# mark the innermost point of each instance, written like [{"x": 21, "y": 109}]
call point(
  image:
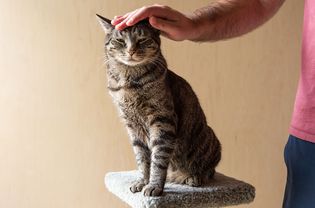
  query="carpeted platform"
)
[{"x": 221, "y": 191}]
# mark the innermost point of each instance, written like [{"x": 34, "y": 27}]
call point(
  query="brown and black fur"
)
[{"x": 167, "y": 127}]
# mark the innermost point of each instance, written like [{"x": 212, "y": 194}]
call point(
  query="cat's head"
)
[{"x": 135, "y": 45}]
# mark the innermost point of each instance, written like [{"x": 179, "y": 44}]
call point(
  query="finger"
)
[
  {"x": 156, "y": 10},
  {"x": 118, "y": 19},
  {"x": 165, "y": 26},
  {"x": 122, "y": 24},
  {"x": 166, "y": 35},
  {"x": 168, "y": 29},
  {"x": 137, "y": 16}
]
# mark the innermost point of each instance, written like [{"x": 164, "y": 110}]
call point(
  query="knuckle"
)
[
  {"x": 165, "y": 7},
  {"x": 160, "y": 5}
]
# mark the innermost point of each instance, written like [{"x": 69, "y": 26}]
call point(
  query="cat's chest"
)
[
  {"x": 126, "y": 98},
  {"x": 127, "y": 94},
  {"x": 131, "y": 103}
]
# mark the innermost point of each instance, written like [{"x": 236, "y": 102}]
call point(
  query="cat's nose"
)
[{"x": 131, "y": 52}]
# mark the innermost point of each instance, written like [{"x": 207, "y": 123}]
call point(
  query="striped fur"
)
[{"x": 163, "y": 117}]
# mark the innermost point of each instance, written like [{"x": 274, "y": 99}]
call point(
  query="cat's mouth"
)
[{"x": 133, "y": 61}]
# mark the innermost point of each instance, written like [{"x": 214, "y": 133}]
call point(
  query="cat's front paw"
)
[
  {"x": 152, "y": 190},
  {"x": 138, "y": 185}
]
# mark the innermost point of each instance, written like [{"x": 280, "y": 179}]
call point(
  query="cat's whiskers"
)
[{"x": 105, "y": 60}]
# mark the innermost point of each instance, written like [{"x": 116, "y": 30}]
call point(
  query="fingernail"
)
[{"x": 129, "y": 22}]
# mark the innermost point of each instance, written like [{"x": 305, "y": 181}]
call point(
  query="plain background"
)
[{"x": 60, "y": 133}]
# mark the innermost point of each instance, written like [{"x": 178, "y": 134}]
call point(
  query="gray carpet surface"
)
[{"x": 221, "y": 191}]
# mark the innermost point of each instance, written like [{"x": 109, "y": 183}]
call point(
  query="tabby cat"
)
[{"x": 167, "y": 127}]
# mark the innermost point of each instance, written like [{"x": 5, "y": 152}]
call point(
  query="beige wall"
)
[{"x": 59, "y": 131}]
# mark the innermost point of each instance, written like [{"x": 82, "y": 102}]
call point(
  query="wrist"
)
[
  {"x": 200, "y": 26},
  {"x": 194, "y": 29}
]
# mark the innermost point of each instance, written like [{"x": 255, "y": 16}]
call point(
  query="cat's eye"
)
[
  {"x": 143, "y": 40},
  {"x": 118, "y": 41}
]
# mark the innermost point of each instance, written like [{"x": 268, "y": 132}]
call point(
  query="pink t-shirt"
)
[{"x": 303, "y": 120}]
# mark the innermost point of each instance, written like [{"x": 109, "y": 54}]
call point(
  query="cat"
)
[{"x": 166, "y": 125}]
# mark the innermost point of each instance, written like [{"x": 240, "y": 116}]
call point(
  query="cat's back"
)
[
  {"x": 181, "y": 90},
  {"x": 186, "y": 104}
]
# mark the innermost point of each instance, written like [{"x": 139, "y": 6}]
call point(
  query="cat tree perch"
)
[{"x": 222, "y": 191}]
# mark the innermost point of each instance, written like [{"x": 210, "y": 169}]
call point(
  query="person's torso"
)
[{"x": 303, "y": 122}]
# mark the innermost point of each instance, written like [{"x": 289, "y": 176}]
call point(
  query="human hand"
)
[{"x": 172, "y": 24}]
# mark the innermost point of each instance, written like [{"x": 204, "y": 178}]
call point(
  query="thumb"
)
[{"x": 166, "y": 26}]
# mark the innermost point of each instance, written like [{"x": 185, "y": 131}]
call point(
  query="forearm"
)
[{"x": 231, "y": 18}]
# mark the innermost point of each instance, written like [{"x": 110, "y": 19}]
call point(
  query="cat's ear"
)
[{"x": 105, "y": 23}]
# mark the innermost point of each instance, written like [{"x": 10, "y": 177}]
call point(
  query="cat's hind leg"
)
[
  {"x": 176, "y": 176},
  {"x": 179, "y": 177}
]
